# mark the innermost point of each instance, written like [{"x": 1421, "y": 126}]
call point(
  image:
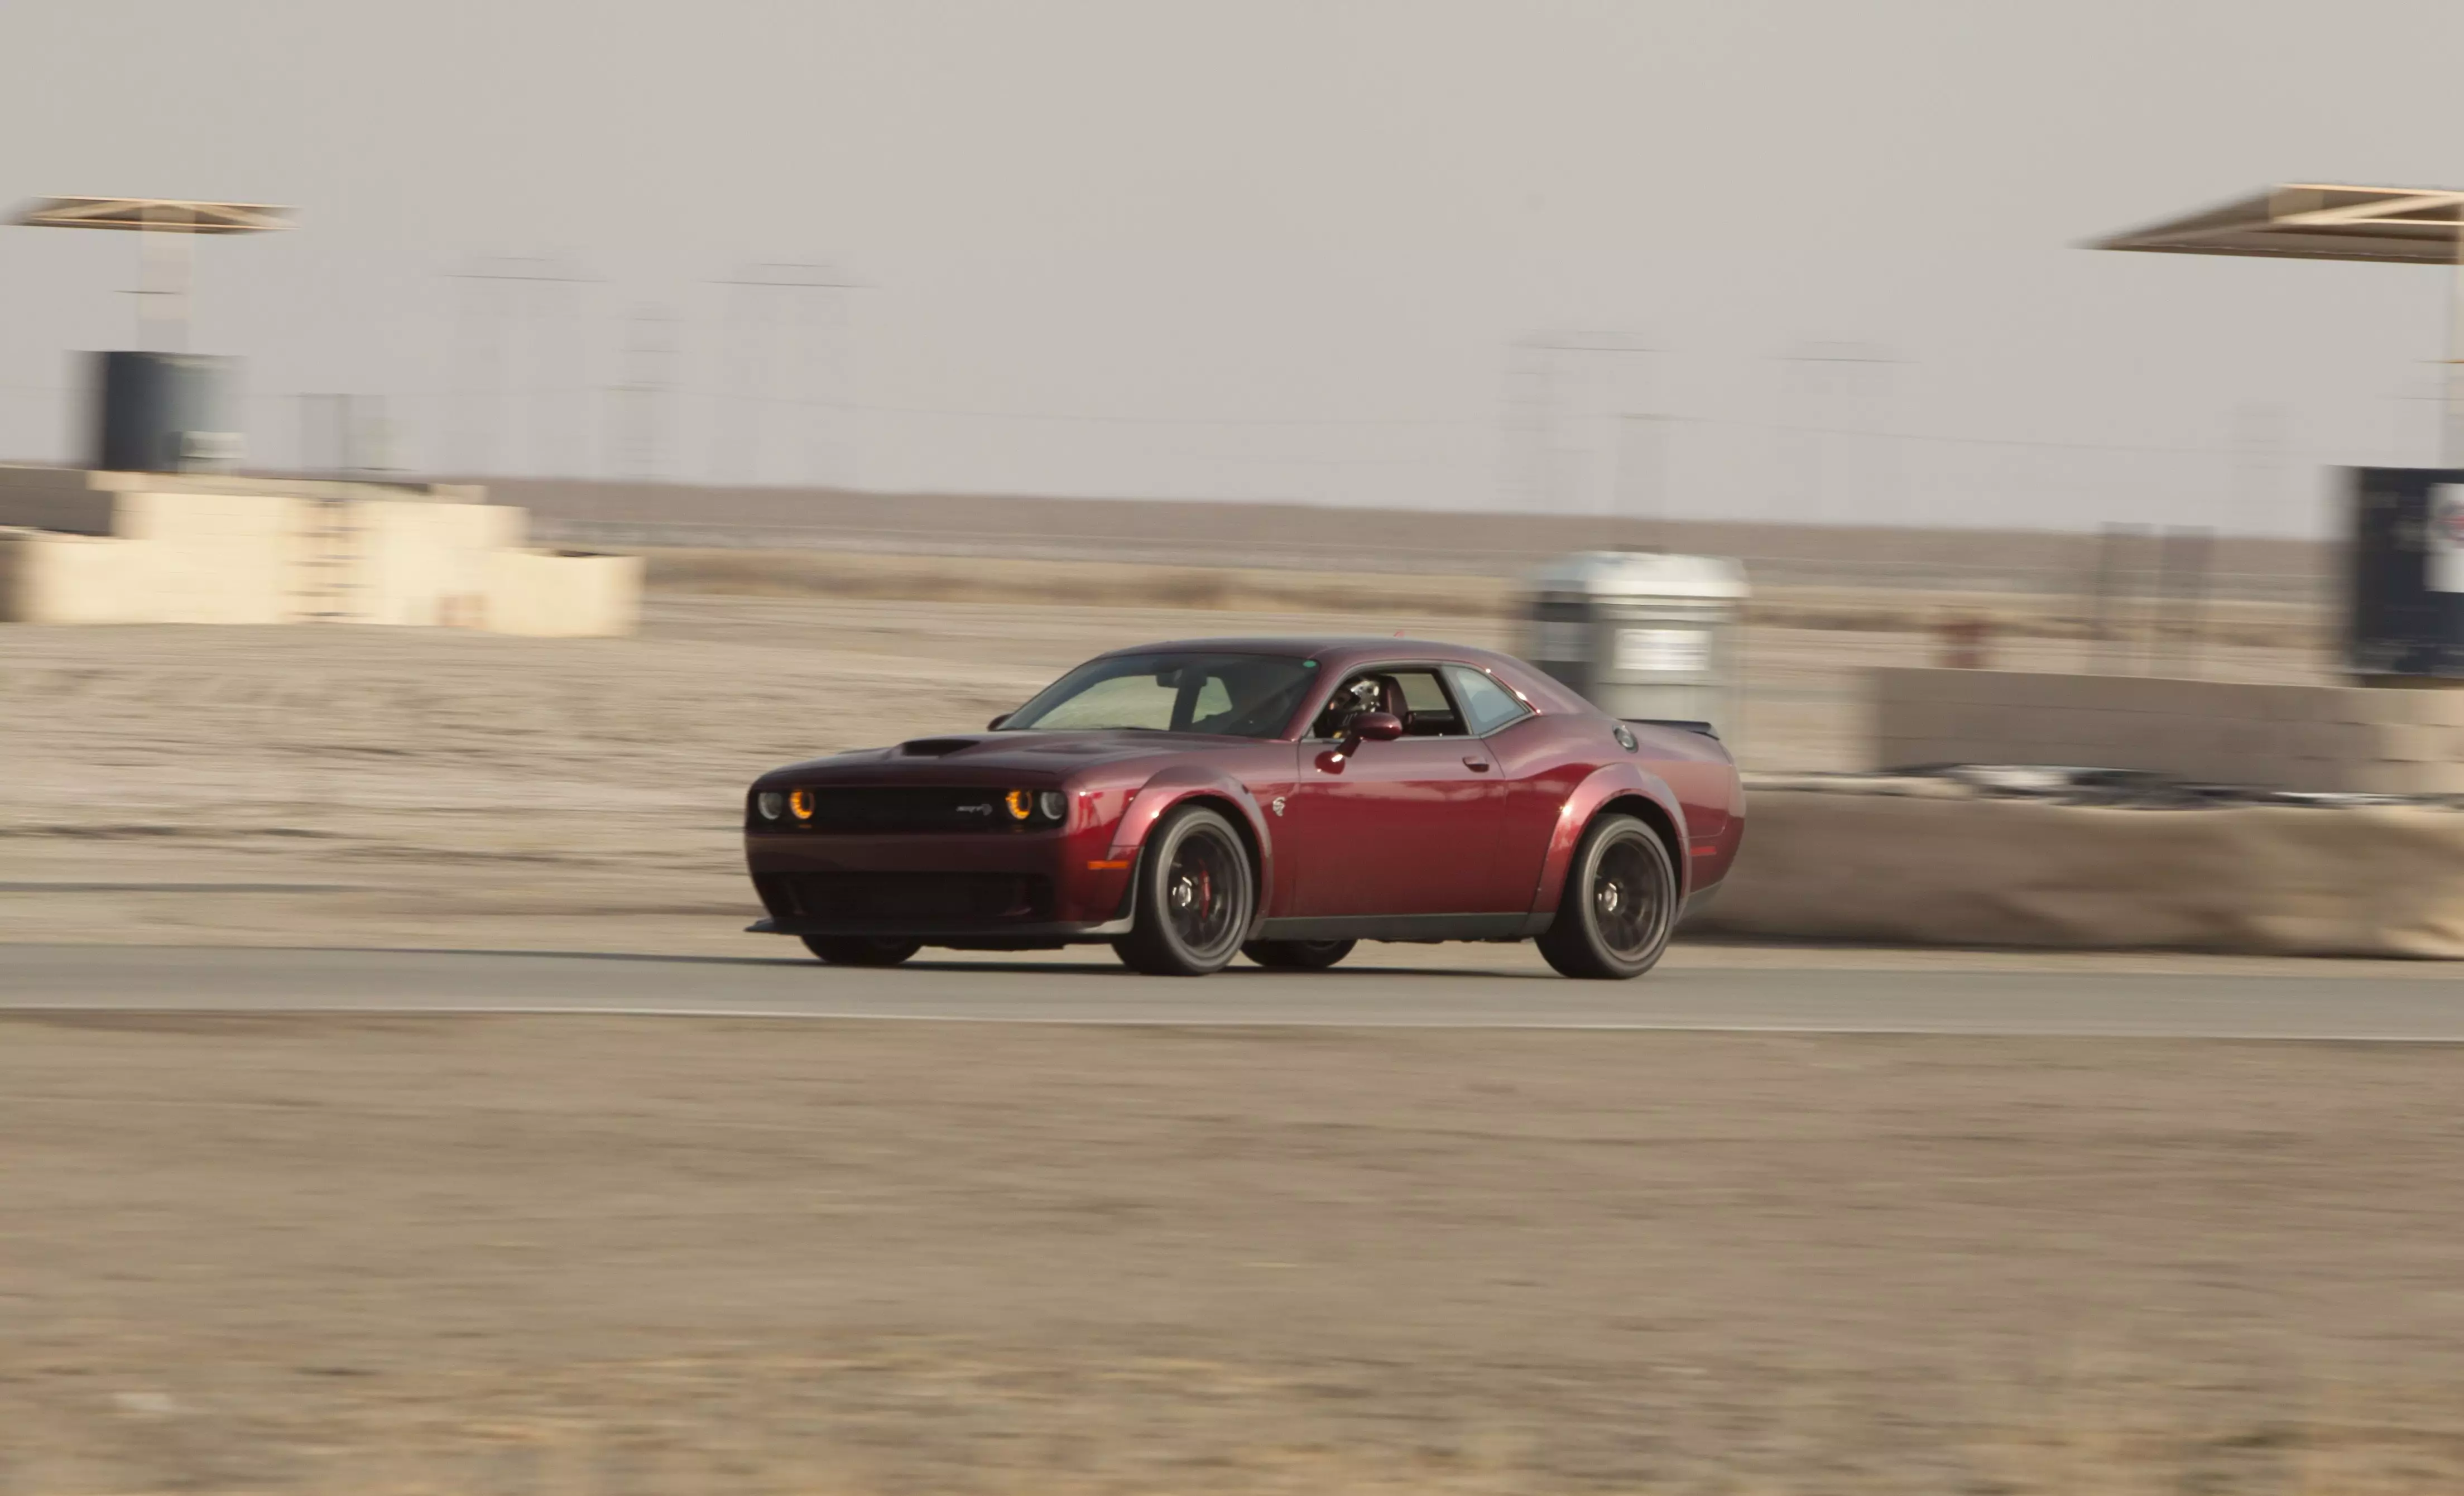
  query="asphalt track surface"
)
[{"x": 2290, "y": 999}]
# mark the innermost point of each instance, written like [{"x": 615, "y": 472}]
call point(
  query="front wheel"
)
[
  {"x": 1297, "y": 955},
  {"x": 860, "y": 950},
  {"x": 1194, "y": 897},
  {"x": 1619, "y": 904}
]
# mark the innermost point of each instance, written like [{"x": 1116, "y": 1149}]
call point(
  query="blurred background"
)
[
  {"x": 391, "y": 1098},
  {"x": 1757, "y": 261}
]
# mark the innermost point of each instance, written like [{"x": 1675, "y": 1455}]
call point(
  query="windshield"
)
[{"x": 1236, "y": 695}]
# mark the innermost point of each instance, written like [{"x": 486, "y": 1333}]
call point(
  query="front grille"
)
[
  {"x": 862, "y": 898},
  {"x": 905, "y": 807}
]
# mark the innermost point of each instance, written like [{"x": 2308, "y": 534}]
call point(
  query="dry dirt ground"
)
[{"x": 480, "y": 1254}]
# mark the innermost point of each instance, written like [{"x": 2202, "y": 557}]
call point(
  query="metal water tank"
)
[
  {"x": 2404, "y": 604},
  {"x": 1642, "y": 635},
  {"x": 165, "y": 412}
]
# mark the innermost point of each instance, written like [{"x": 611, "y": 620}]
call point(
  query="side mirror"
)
[
  {"x": 994, "y": 726},
  {"x": 1381, "y": 727}
]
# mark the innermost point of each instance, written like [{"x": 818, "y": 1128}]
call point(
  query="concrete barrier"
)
[
  {"x": 1933, "y": 867},
  {"x": 2341, "y": 738},
  {"x": 47, "y": 577},
  {"x": 561, "y": 594},
  {"x": 189, "y": 549}
]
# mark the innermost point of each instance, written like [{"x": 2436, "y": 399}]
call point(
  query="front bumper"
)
[{"x": 943, "y": 889}]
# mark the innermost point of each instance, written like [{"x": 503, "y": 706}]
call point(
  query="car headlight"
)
[
  {"x": 800, "y": 803},
  {"x": 1035, "y": 807},
  {"x": 771, "y": 803}
]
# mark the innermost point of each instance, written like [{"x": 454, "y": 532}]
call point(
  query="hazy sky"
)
[{"x": 1275, "y": 250}]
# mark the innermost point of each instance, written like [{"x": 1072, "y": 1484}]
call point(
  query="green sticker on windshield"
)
[{"x": 1309, "y": 665}]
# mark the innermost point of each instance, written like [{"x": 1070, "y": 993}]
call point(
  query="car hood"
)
[{"x": 971, "y": 755}]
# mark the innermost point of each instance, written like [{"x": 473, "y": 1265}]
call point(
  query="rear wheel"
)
[
  {"x": 1619, "y": 905},
  {"x": 1297, "y": 955},
  {"x": 860, "y": 950},
  {"x": 1194, "y": 897}
]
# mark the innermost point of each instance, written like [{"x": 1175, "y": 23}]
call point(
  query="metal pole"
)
[
  {"x": 163, "y": 287},
  {"x": 2451, "y": 442}
]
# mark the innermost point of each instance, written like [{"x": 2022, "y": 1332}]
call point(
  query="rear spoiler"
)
[{"x": 1704, "y": 727}]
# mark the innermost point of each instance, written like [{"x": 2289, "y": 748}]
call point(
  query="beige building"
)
[{"x": 82, "y": 547}]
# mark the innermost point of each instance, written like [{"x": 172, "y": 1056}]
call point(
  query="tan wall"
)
[
  {"x": 1921, "y": 869},
  {"x": 210, "y": 558},
  {"x": 427, "y": 564},
  {"x": 2341, "y": 738},
  {"x": 64, "y": 579},
  {"x": 562, "y": 596},
  {"x": 176, "y": 558},
  {"x": 216, "y": 551}
]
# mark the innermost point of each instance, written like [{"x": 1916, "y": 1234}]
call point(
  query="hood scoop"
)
[{"x": 936, "y": 747}]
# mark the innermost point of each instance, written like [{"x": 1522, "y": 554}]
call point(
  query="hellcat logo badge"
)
[{"x": 1279, "y": 805}]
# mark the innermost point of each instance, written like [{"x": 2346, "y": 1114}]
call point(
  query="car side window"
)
[
  {"x": 1413, "y": 692},
  {"x": 1487, "y": 705}
]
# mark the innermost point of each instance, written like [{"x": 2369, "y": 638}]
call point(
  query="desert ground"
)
[
  {"x": 283, "y": 1253},
  {"x": 268, "y": 1253}
]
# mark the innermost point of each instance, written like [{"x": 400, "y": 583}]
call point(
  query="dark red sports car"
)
[{"x": 1282, "y": 798}]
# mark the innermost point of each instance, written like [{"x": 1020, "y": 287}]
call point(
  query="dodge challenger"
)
[{"x": 1277, "y": 798}]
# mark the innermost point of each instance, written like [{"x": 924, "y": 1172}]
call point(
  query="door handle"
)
[{"x": 1476, "y": 763}]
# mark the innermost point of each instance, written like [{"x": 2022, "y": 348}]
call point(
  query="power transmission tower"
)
[
  {"x": 346, "y": 436},
  {"x": 788, "y": 346},
  {"x": 521, "y": 350},
  {"x": 1838, "y": 457},
  {"x": 638, "y": 415},
  {"x": 1566, "y": 395},
  {"x": 1642, "y": 467}
]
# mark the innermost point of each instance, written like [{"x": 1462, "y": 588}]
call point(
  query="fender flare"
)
[
  {"x": 1175, "y": 786},
  {"x": 1603, "y": 784}
]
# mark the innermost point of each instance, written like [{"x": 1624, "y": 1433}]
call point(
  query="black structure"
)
[
  {"x": 2407, "y": 545},
  {"x": 165, "y": 412}
]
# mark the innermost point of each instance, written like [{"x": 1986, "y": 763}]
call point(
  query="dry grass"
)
[{"x": 1119, "y": 583}]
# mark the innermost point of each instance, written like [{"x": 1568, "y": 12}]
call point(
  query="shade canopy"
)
[
  {"x": 153, "y": 215},
  {"x": 2317, "y": 221}
]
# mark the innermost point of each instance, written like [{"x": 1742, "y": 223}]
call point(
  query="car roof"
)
[{"x": 1338, "y": 652}]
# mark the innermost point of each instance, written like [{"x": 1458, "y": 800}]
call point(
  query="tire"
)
[
  {"x": 1195, "y": 897},
  {"x": 860, "y": 950},
  {"x": 1619, "y": 904},
  {"x": 1297, "y": 955}
]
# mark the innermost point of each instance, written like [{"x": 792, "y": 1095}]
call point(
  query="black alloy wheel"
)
[
  {"x": 1619, "y": 904},
  {"x": 860, "y": 950},
  {"x": 1297, "y": 955},
  {"x": 1195, "y": 894}
]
